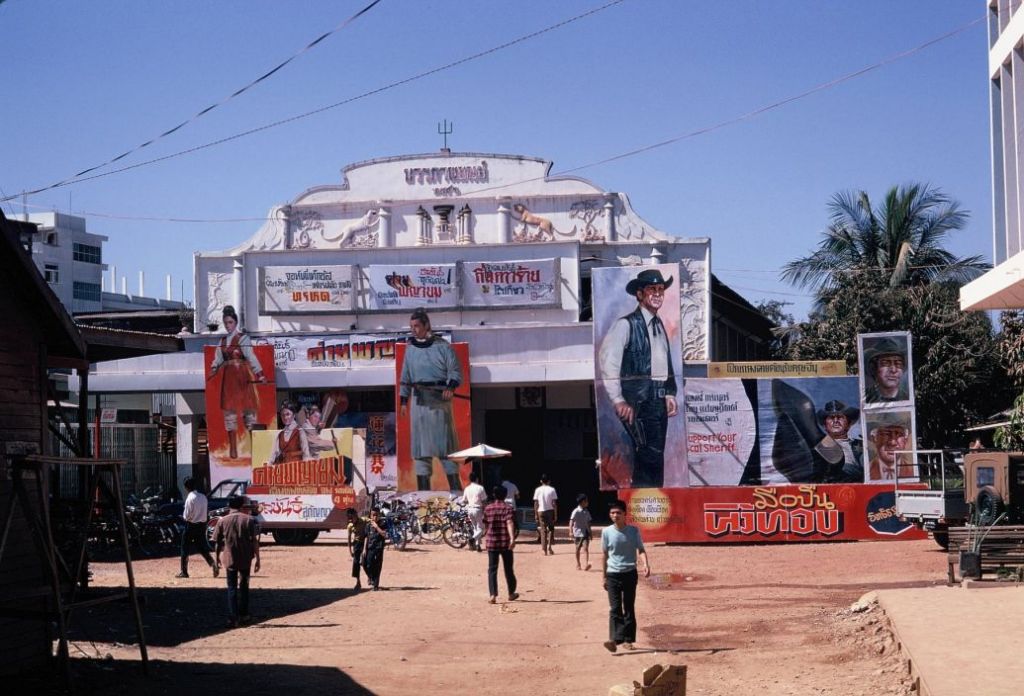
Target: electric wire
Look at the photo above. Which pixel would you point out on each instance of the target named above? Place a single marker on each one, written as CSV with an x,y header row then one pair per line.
x,y
358,97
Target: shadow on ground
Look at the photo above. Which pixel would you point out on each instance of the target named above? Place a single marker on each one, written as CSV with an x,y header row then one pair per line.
x,y
125,678
175,615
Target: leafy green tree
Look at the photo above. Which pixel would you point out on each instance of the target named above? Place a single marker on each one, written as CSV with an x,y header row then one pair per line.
x,y
884,268
785,329
901,241
1011,348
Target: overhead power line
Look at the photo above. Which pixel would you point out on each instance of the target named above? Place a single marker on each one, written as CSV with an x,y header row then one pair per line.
x,y
299,117
202,112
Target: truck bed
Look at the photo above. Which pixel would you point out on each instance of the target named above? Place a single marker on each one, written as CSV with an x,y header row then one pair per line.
x,y
920,505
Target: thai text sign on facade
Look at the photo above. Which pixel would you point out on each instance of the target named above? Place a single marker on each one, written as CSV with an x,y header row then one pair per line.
x,y
407,287
336,351
772,368
305,289
532,283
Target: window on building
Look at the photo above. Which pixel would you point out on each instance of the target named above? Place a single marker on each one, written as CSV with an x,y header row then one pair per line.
x,y
51,272
87,253
50,238
86,291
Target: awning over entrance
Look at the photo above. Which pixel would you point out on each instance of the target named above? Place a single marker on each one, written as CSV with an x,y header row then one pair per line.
x,y
1000,288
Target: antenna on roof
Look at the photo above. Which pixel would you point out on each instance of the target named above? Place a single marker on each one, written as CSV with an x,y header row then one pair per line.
x,y
445,131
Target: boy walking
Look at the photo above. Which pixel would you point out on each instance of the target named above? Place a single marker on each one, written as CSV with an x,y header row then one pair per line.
x,y
545,507
501,541
621,549
579,527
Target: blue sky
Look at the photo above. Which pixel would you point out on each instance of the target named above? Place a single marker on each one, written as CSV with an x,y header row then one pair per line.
x,y
86,81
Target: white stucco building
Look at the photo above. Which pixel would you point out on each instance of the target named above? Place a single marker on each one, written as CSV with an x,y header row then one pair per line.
x,y
498,252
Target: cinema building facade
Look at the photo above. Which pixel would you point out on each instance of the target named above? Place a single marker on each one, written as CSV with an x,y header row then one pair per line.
x,y
497,250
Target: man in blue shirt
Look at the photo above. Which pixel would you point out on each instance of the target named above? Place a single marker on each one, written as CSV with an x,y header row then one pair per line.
x,y
621,548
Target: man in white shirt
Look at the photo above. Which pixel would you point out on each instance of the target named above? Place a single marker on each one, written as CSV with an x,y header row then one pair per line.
x,y
476,499
545,506
511,493
635,360
195,514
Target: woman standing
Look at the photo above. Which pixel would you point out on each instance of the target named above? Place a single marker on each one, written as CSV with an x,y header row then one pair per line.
x,y
241,372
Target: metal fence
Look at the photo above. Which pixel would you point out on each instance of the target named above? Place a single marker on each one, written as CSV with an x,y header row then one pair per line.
x,y
137,445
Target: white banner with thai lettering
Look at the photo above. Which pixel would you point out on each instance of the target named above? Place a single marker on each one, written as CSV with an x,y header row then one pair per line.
x,y
305,289
408,287
533,283
294,508
342,350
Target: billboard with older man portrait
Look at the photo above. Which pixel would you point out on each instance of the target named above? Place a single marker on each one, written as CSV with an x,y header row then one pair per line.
x,y
638,381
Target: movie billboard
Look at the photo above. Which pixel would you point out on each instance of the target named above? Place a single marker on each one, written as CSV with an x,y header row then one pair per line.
x,y
239,394
638,380
773,431
533,283
886,369
305,289
808,512
304,475
890,445
407,287
432,401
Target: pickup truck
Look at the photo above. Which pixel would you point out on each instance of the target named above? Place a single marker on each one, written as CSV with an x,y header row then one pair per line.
x,y
934,500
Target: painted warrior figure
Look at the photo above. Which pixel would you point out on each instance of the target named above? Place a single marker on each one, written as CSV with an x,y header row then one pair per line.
x,y
241,373
430,375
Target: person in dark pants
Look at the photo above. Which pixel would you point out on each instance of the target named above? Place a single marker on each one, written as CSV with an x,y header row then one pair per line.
x,y
356,542
373,557
621,548
237,541
501,542
194,514
635,360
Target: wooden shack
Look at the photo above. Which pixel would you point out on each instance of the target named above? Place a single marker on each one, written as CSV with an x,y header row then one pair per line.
x,y
36,334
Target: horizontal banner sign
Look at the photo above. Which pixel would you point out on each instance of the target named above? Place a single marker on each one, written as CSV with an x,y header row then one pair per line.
x,y
341,350
533,283
408,287
306,289
807,368
767,513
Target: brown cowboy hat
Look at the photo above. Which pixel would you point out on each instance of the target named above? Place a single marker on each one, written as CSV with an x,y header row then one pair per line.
x,y
838,408
645,278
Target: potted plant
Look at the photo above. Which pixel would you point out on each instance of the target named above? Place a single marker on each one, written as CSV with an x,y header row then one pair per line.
x,y
970,552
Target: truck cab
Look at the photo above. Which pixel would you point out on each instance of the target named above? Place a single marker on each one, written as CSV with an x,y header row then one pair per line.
x,y
994,487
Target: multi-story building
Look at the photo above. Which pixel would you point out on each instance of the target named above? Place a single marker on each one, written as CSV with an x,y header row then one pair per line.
x,y
1003,286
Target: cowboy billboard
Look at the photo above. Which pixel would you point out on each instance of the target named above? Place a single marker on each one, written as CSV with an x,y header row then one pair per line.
x,y
638,381
890,445
773,431
886,370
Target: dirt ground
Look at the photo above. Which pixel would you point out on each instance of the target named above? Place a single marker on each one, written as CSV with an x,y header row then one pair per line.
x,y
745,619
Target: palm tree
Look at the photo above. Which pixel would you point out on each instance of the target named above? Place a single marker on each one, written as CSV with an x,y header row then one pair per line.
x,y
901,240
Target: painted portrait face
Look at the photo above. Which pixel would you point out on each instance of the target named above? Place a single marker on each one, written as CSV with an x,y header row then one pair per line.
x,y
287,416
230,323
888,440
651,297
419,328
315,416
889,371
837,425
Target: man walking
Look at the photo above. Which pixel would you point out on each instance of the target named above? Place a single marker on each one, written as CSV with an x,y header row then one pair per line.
x,y
545,508
621,549
635,360
194,514
476,498
237,542
501,543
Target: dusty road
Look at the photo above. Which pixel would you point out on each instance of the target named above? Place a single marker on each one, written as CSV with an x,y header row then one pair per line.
x,y
763,620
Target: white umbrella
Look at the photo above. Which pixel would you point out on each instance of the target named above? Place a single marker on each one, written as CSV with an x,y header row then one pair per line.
x,y
480,451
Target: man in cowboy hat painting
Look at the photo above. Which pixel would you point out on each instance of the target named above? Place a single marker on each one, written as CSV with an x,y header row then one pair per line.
x,y
888,434
886,363
836,419
636,366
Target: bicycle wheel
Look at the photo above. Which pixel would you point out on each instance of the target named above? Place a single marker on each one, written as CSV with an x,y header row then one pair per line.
x,y
431,528
457,535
